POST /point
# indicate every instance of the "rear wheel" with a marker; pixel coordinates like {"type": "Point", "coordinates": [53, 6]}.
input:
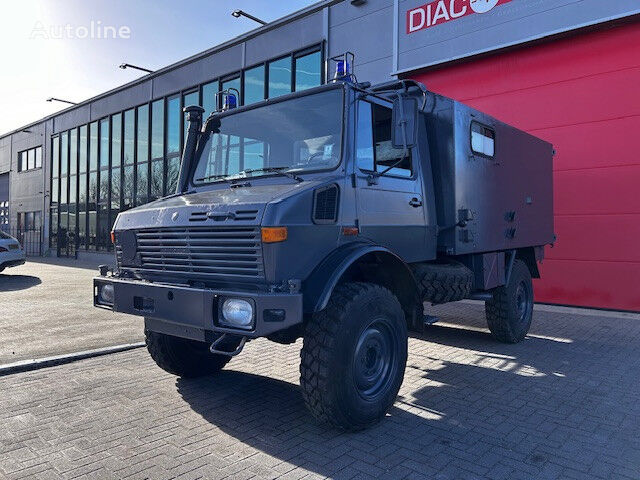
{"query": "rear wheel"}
{"type": "Point", "coordinates": [510, 311]}
{"type": "Point", "coordinates": [354, 356]}
{"type": "Point", "coordinates": [183, 357]}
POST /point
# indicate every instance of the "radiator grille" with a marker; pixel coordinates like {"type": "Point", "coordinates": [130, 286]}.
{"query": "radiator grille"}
{"type": "Point", "coordinates": [204, 252]}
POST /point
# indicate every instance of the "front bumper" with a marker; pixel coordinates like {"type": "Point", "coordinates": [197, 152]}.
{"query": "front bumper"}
{"type": "Point", "coordinates": [12, 259]}
{"type": "Point", "coordinates": [193, 312]}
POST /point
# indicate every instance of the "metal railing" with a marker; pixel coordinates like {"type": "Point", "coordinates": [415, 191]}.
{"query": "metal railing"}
{"type": "Point", "coordinates": [30, 239]}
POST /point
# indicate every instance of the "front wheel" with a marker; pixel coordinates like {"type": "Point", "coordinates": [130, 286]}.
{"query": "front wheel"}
{"type": "Point", "coordinates": [510, 310]}
{"type": "Point", "coordinates": [354, 356]}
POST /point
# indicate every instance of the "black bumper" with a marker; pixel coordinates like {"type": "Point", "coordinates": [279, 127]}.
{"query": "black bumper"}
{"type": "Point", "coordinates": [13, 263]}
{"type": "Point", "coordinates": [192, 312]}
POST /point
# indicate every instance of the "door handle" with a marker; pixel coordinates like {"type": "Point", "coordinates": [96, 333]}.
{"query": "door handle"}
{"type": "Point", "coordinates": [415, 202]}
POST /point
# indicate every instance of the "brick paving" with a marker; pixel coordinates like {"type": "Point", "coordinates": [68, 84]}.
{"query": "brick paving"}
{"type": "Point", "coordinates": [46, 308]}
{"type": "Point", "coordinates": [565, 403]}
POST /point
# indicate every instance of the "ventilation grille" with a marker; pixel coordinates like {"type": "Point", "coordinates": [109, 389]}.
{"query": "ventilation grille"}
{"type": "Point", "coordinates": [205, 252]}
{"type": "Point", "coordinates": [238, 216]}
{"type": "Point", "coordinates": [325, 205]}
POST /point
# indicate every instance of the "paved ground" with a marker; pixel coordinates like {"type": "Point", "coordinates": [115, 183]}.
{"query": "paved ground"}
{"type": "Point", "coordinates": [46, 308]}
{"type": "Point", "coordinates": [565, 403]}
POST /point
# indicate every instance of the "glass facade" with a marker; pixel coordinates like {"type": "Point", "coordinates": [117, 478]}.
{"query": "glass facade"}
{"type": "Point", "coordinates": [254, 85]}
{"type": "Point", "coordinates": [280, 77]}
{"type": "Point", "coordinates": [133, 157]}
{"type": "Point", "coordinates": [307, 71]}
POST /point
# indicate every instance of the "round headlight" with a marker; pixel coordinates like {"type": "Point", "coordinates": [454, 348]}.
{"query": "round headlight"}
{"type": "Point", "coordinates": [106, 294]}
{"type": "Point", "coordinates": [237, 313]}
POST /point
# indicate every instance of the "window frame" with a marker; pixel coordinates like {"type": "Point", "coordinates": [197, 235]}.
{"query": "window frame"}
{"type": "Point", "coordinates": [24, 154]}
{"type": "Point", "coordinates": [281, 98]}
{"type": "Point", "coordinates": [303, 53]}
{"type": "Point", "coordinates": [388, 105]}
{"type": "Point", "coordinates": [491, 129]}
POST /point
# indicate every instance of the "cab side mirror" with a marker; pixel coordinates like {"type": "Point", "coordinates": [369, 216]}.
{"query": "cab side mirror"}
{"type": "Point", "coordinates": [404, 120]}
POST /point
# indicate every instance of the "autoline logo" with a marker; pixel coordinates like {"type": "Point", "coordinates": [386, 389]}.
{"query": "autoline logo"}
{"type": "Point", "coordinates": [442, 11]}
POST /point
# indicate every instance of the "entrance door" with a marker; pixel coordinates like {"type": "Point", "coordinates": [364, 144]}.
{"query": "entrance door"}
{"type": "Point", "coordinates": [391, 206]}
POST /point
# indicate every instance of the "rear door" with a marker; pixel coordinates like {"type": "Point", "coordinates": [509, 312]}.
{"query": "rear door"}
{"type": "Point", "coordinates": [390, 207]}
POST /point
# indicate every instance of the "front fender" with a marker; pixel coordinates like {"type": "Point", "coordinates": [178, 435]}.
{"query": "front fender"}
{"type": "Point", "coordinates": [319, 286]}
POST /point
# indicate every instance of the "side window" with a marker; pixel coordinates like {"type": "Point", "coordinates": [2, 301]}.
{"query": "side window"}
{"type": "Point", "coordinates": [373, 143]}
{"type": "Point", "coordinates": [483, 139]}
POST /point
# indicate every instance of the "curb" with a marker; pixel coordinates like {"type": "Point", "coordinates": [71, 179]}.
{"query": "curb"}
{"type": "Point", "coordinates": [38, 363]}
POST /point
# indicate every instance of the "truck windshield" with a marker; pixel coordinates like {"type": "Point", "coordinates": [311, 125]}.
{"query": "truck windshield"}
{"type": "Point", "coordinates": [297, 135]}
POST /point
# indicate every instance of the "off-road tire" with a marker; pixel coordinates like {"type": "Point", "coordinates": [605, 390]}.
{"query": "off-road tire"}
{"type": "Point", "coordinates": [443, 282]}
{"type": "Point", "coordinates": [508, 322]}
{"type": "Point", "coordinates": [336, 340]}
{"type": "Point", "coordinates": [183, 357]}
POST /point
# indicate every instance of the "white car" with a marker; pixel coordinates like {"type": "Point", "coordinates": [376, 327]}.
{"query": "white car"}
{"type": "Point", "coordinates": [11, 253]}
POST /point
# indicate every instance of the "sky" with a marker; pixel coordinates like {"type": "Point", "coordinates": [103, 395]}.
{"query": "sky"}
{"type": "Point", "coordinates": [50, 48]}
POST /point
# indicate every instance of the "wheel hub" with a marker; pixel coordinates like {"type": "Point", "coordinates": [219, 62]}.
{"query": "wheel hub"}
{"type": "Point", "coordinates": [373, 360]}
{"type": "Point", "coordinates": [523, 300]}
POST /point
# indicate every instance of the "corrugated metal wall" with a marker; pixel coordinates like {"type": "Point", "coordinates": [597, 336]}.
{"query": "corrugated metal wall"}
{"type": "Point", "coordinates": [581, 94]}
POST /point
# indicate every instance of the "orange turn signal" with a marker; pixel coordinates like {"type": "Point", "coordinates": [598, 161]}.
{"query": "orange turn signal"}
{"type": "Point", "coordinates": [113, 238]}
{"type": "Point", "coordinates": [274, 234]}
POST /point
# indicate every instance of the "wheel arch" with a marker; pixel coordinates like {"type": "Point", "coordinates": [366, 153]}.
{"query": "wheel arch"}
{"type": "Point", "coordinates": [366, 263]}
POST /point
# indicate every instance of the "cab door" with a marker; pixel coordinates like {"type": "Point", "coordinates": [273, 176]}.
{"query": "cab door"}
{"type": "Point", "coordinates": [390, 207]}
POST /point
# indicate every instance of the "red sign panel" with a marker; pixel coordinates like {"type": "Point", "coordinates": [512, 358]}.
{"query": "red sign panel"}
{"type": "Point", "coordinates": [442, 11]}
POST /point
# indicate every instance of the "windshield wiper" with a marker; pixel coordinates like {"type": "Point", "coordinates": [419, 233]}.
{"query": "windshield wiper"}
{"type": "Point", "coordinates": [278, 170]}
{"type": "Point", "coordinates": [209, 177]}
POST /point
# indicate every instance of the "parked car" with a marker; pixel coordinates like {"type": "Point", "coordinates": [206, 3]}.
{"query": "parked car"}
{"type": "Point", "coordinates": [11, 253]}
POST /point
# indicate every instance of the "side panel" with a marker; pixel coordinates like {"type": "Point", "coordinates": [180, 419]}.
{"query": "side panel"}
{"type": "Point", "coordinates": [507, 198]}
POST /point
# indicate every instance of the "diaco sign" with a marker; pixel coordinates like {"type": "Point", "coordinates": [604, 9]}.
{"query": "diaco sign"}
{"type": "Point", "coordinates": [441, 11]}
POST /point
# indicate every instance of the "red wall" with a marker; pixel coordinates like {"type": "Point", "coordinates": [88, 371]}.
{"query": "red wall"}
{"type": "Point", "coordinates": [583, 95]}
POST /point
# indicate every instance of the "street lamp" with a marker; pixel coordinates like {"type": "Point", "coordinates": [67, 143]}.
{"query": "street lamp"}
{"type": "Point", "coordinates": [54, 99]}
{"type": "Point", "coordinates": [124, 66]}
{"type": "Point", "coordinates": [241, 13]}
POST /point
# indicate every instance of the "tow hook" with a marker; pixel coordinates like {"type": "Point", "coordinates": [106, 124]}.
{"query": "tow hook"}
{"type": "Point", "coordinates": [213, 348]}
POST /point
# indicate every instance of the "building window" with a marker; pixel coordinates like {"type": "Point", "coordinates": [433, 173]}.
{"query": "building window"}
{"type": "Point", "coordinates": [128, 175]}
{"type": "Point", "coordinates": [254, 85]}
{"type": "Point", "coordinates": [30, 159]}
{"type": "Point", "coordinates": [157, 149]}
{"type": "Point", "coordinates": [28, 221]}
{"type": "Point", "coordinates": [4, 215]}
{"type": "Point", "coordinates": [280, 77]}
{"type": "Point", "coordinates": [308, 71]}
{"type": "Point", "coordinates": [173, 125]}
{"type": "Point", "coordinates": [115, 198]}
{"type": "Point", "coordinates": [373, 143]}
{"type": "Point", "coordinates": [232, 84]}
{"type": "Point", "coordinates": [483, 139]}
{"type": "Point", "coordinates": [82, 187]}
{"type": "Point", "coordinates": [142, 155]}
{"type": "Point", "coordinates": [209, 91]}
{"type": "Point", "coordinates": [92, 195]}
{"type": "Point", "coordinates": [54, 192]}
{"type": "Point", "coordinates": [102, 234]}
{"type": "Point", "coordinates": [188, 99]}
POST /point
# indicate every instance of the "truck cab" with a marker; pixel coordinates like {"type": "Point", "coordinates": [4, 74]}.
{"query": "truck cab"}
{"type": "Point", "coordinates": [333, 215]}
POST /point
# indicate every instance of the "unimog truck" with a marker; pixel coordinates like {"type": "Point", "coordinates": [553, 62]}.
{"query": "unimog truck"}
{"type": "Point", "coordinates": [337, 215]}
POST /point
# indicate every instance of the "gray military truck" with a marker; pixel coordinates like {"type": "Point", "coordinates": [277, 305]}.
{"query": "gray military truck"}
{"type": "Point", "coordinates": [334, 215]}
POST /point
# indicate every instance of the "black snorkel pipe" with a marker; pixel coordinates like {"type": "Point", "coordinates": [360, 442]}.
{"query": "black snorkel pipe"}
{"type": "Point", "coordinates": [194, 117]}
